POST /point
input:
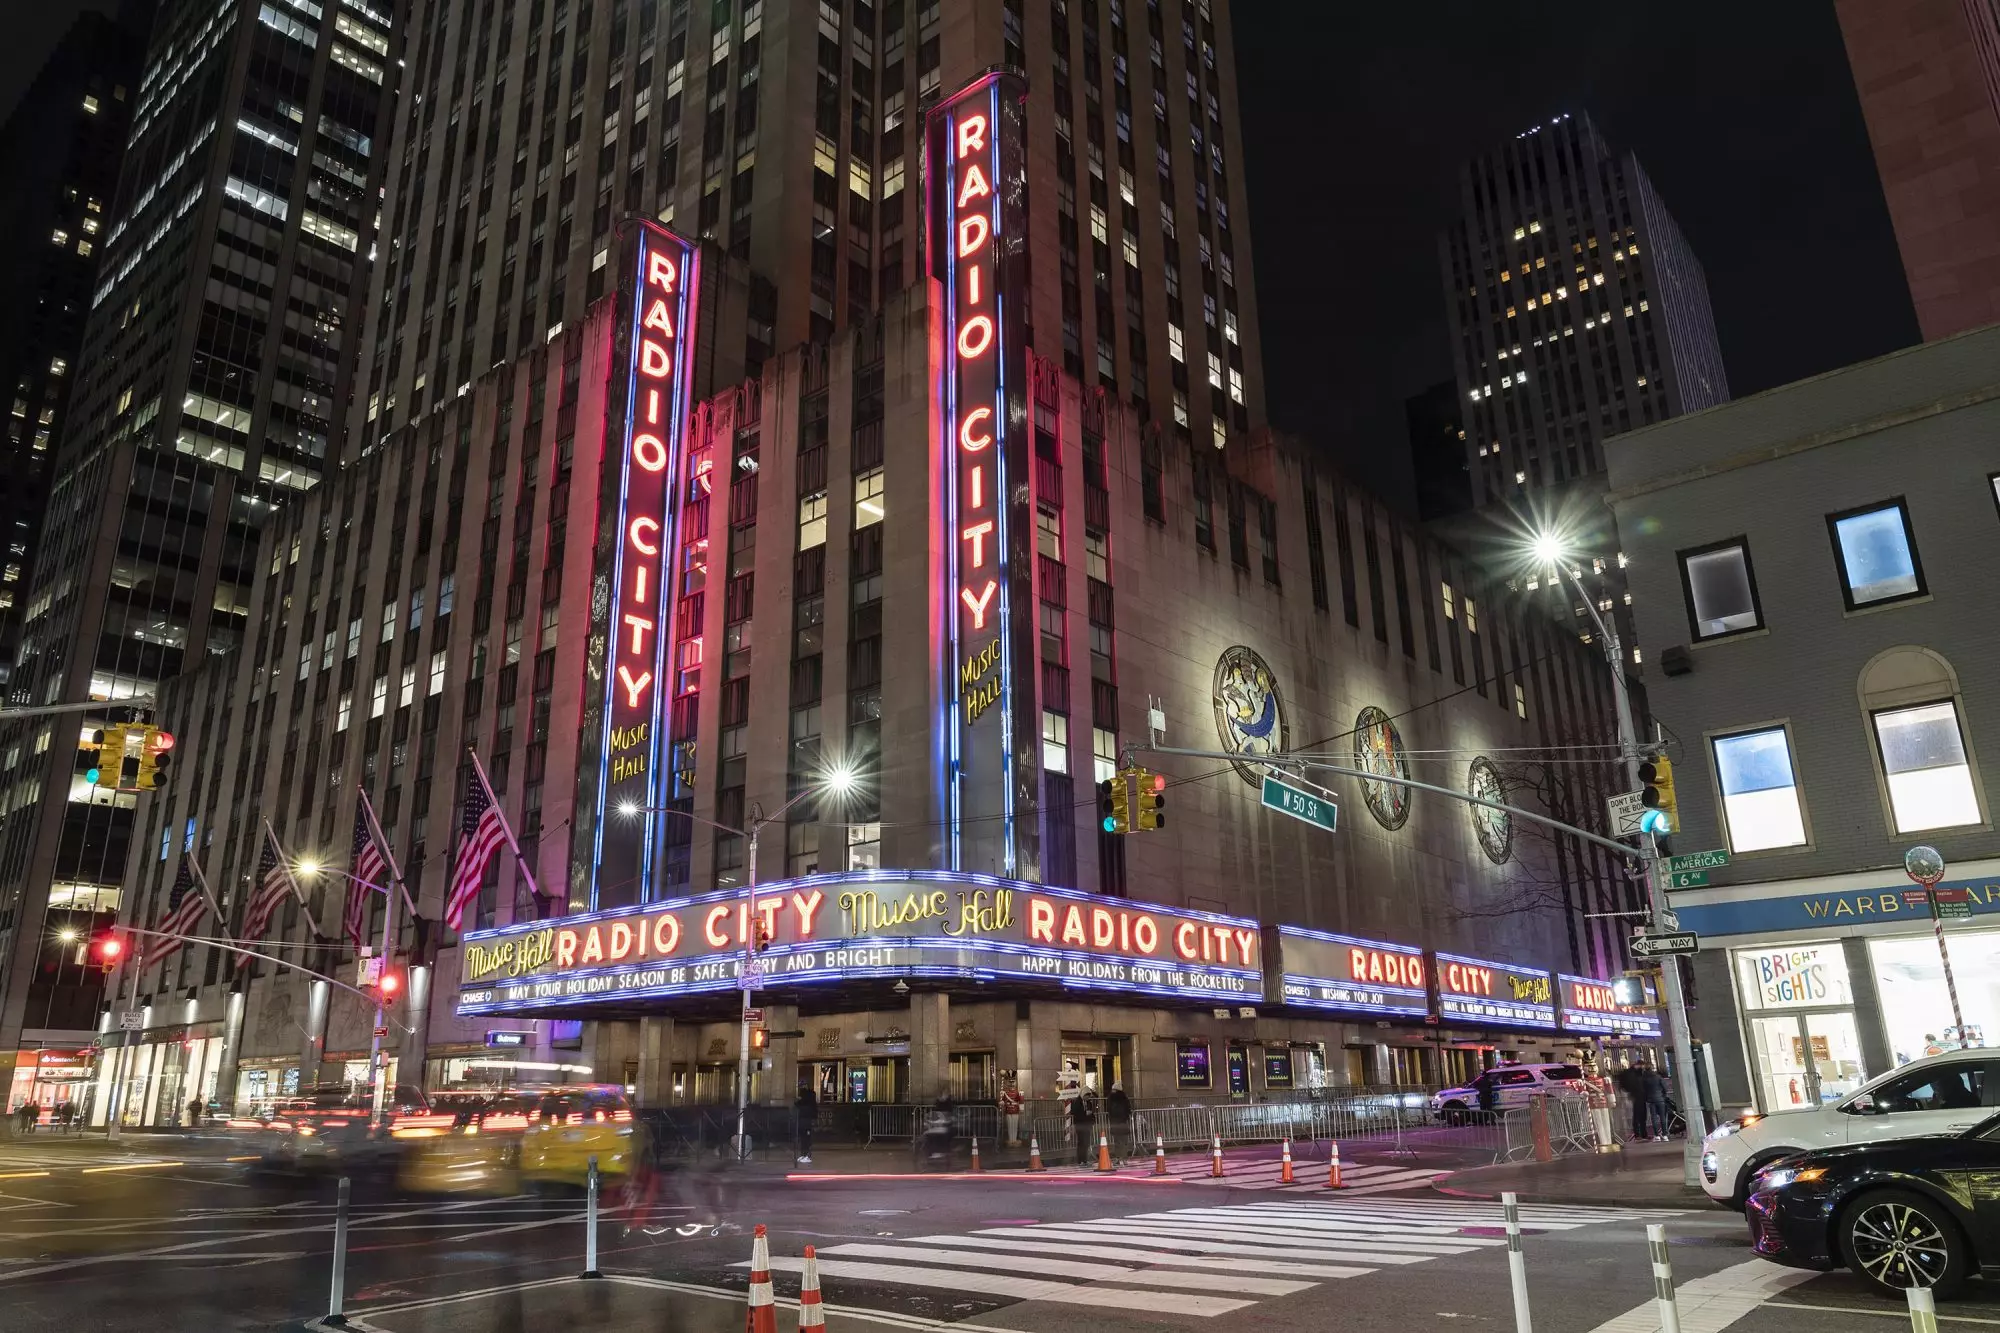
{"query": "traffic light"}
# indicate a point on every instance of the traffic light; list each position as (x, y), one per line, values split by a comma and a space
(107, 749)
(1152, 800)
(389, 984)
(107, 950)
(1664, 815)
(760, 1038)
(1629, 991)
(763, 940)
(155, 756)
(1114, 804)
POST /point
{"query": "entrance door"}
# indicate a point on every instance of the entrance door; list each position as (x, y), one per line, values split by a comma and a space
(1095, 1064)
(1806, 1059)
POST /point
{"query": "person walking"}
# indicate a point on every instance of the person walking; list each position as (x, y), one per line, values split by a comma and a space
(1083, 1121)
(1656, 1106)
(1632, 1082)
(1011, 1103)
(805, 1111)
(1118, 1109)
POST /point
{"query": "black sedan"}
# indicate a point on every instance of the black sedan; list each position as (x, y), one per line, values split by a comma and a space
(1921, 1212)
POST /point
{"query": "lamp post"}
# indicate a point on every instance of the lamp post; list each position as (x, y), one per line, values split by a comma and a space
(1548, 551)
(837, 782)
(1926, 866)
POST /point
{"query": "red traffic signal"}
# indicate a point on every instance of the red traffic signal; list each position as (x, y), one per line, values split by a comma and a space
(390, 983)
(159, 742)
(107, 950)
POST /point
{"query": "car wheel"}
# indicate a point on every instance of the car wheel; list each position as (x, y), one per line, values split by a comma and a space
(1895, 1240)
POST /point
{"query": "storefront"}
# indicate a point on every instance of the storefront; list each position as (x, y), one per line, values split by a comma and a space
(1834, 981)
(161, 1075)
(894, 985)
(50, 1079)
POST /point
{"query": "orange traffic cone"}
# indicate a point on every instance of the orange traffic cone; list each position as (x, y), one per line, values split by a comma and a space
(1159, 1155)
(763, 1315)
(1215, 1159)
(1103, 1152)
(1333, 1169)
(811, 1313)
(1035, 1154)
(975, 1156)
(1285, 1171)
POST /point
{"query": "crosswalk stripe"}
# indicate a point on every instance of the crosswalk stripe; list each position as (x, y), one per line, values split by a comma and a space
(1317, 1223)
(1356, 1251)
(1278, 1238)
(1399, 1211)
(1125, 1254)
(1211, 1281)
(1027, 1289)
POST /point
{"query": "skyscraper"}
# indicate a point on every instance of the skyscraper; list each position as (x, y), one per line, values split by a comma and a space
(59, 153)
(213, 355)
(1928, 72)
(1577, 310)
(790, 135)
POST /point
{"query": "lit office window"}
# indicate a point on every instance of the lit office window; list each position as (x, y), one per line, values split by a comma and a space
(1923, 759)
(1760, 792)
(1876, 551)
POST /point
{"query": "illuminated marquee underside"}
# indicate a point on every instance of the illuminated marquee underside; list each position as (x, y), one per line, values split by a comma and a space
(885, 923)
(1500, 994)
(1326, 971)
(1587, 1006)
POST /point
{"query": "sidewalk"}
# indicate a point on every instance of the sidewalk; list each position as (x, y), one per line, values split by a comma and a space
(1644, 1175)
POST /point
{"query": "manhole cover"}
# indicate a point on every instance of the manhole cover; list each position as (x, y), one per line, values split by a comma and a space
(885, 1212)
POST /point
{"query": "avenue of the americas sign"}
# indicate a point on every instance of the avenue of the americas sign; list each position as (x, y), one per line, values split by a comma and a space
(877, 923)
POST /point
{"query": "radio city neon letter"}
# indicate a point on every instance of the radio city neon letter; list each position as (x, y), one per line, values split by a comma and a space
(977, 605)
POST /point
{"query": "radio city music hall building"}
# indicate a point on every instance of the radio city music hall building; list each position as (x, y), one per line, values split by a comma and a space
(644, 587)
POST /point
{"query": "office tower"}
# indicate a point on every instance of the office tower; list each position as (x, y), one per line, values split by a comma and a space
(1928, 72)
(1577, 310)
(59, 153)
(790, 135)
(211, 361)
(1437, 452)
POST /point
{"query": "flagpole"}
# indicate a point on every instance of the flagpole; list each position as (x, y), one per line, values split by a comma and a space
(285, 864)
(201, 882)
(505, 827)
(379, 1067)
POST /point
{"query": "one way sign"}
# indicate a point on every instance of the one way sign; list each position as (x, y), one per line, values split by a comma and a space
(1659, 946)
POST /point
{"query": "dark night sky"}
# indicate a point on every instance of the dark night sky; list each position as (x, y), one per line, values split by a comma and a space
(32, 28)
(1356, 118)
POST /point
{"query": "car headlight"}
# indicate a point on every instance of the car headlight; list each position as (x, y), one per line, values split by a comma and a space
(1736, 1126)
(1779, 1177)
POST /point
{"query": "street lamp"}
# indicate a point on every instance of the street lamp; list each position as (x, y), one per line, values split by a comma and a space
(1548, 549)
(1926, 866)
(837, 781)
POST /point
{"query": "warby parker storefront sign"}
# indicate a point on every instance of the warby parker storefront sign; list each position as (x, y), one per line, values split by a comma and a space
(901, 923)
(1500, 994)
(974, 164)
(630, 627)
(1588, 1006)
(1324, 971)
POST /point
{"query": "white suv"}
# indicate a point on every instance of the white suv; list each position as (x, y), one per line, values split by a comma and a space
(1511, 1086)
(1940, 1094)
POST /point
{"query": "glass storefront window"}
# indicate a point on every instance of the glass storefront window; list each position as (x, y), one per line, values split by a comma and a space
(1916, 1006)
(1794, 977)
(1804, 1047)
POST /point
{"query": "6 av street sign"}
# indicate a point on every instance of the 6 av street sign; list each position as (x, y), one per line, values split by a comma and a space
(1660, 946)
(1310, 806)
(1687, 879)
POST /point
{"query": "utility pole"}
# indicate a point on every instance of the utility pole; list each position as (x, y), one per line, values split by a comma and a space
(756, 822)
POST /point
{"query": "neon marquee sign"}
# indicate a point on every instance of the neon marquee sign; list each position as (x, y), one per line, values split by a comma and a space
(1501, 993)
(1320, 970)
(975, 176)
(1588, 1006)
(631, 629)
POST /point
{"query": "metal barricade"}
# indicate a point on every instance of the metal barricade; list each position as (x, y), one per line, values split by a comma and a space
(1176, 1126)
(890, 1121)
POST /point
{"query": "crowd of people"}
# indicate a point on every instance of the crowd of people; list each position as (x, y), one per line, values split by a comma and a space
(62, 1117)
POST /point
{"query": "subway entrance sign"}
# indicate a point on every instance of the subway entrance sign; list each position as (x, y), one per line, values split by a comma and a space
(1313, 807)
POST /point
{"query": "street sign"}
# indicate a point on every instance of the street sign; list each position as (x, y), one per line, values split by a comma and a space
(1955, 911)
(381, 1032)
(1659, 946)
(1699, 861)
(1687, 879)
(753, 1015)
(1670, 920)
(1311, 807)
(1626, 810)
(131, 1020)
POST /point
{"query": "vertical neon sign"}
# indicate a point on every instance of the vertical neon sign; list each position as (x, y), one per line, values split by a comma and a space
(976, 241)
(630, 651)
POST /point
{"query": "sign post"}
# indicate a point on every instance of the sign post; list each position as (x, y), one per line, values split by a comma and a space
(1289, 796)
(1926, 866)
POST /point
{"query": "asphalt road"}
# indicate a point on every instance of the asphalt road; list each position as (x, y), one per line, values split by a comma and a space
(173, 1239)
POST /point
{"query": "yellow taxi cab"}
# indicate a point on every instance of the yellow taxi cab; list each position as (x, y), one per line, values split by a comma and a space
(479, 1153)
(571, 1125)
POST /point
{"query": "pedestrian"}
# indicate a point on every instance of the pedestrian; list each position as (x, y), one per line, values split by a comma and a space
(1118, 1109)
(1656, 1106)
(1083, 1120)
(195, 1109)
(34, 1111)
(1632, 1082)
(1010, 1108)
(806, 1109)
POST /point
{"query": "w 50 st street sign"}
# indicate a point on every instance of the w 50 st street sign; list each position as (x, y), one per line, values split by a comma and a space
(1313, 807)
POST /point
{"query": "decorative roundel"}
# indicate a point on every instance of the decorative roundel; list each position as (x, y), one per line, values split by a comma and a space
(1378, 748)
(1249, 710)
(1494, 827)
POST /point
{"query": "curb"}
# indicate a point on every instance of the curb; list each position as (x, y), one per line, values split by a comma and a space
(1440, 1186)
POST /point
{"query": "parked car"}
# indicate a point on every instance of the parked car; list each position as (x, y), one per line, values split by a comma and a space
(1938, 1094)
(1511, 1086)
(1899, 1213)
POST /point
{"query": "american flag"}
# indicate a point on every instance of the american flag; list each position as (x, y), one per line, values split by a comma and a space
(482, 829)
(274, 881)
(369, 869)
(185, 906)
